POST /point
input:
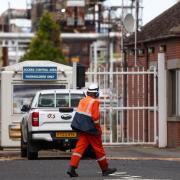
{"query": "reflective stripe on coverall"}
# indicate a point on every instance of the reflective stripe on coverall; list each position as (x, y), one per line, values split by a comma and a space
(89, 107)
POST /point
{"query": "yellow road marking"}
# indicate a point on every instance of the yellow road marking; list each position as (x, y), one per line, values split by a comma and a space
(109, 158)
(144, 158)
(10, 158)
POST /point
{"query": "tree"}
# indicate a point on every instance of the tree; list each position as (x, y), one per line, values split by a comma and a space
(46, 44)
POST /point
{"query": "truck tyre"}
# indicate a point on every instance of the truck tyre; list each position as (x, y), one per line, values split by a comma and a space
(23, 146)
(32, 154)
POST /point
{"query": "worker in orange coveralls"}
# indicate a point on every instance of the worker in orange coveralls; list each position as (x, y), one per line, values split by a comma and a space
(90, 106)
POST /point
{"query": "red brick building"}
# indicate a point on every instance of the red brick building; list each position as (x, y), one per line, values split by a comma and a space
(162, 34)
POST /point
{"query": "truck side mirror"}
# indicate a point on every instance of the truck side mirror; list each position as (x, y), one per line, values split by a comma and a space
(25, 108)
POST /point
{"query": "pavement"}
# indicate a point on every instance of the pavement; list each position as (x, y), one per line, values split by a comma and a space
(143, 153)
(112, 152)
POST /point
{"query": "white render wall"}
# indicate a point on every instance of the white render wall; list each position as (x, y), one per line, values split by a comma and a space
(162, 100)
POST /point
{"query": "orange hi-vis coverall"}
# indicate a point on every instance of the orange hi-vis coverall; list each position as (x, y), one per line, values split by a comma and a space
(90, 106)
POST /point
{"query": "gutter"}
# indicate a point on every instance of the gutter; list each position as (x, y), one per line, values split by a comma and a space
(155, 39)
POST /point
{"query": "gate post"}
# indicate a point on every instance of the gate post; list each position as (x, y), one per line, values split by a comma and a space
(162, 100)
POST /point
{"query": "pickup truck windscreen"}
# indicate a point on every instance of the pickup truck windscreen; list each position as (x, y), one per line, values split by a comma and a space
(59, 100)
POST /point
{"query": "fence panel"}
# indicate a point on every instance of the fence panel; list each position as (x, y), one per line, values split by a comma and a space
(128, 101)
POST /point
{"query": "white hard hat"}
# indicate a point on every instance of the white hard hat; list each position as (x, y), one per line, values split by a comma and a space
(93, 88)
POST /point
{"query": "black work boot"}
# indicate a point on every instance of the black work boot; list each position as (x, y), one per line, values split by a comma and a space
(108, 171)
(71, 171)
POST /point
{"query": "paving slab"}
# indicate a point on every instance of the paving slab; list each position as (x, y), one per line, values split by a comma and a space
(142, 152)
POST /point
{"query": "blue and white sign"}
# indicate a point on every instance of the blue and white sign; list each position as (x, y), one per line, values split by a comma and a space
(40, 73)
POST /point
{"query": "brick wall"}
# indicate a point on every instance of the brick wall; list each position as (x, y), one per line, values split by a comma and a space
(145, 59)
(173, 134)
(173, 49)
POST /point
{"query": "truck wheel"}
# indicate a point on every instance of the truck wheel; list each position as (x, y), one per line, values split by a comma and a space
(23, 147)
(32, 154)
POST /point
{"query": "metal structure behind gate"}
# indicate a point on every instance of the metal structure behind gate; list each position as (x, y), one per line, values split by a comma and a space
(128, 104)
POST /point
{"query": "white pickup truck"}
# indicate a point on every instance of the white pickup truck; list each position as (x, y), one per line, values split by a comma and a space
(46, 122)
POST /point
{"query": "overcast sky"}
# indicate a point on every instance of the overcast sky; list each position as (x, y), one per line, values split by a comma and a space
(152, 8)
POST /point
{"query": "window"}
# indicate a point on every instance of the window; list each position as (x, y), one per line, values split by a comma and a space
(62, 100)
(175, 92)
(23, 94)
(75, 98)
(46, 100)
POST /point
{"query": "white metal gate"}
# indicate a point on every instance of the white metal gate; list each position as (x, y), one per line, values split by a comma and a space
(128, 104)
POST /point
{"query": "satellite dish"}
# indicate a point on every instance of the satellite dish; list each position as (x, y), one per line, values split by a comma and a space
(129, 23)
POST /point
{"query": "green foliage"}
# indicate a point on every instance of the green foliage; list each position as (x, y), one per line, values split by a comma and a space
(46, 44)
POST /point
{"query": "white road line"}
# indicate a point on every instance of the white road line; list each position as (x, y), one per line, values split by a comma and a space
(136, 176)
(119, 173)
(125, 176)
(131, 178)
